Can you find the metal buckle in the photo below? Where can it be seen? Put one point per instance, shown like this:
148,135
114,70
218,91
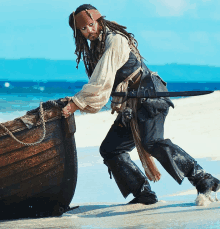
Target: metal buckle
143,100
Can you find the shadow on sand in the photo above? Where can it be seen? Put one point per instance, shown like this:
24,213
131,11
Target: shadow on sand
92,211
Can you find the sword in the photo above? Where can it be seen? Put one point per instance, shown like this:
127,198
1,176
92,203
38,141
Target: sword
145,94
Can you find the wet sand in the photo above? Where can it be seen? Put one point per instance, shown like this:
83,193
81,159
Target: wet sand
163,214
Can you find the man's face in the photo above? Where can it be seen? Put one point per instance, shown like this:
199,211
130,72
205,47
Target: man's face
91,31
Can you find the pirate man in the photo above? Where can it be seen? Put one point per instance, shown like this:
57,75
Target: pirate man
113,64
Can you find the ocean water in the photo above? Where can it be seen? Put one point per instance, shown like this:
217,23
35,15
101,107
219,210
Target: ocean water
17,97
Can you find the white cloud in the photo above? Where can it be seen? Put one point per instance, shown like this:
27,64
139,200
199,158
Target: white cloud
198,9
172,7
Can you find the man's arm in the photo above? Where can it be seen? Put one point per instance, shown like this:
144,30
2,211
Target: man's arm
95,94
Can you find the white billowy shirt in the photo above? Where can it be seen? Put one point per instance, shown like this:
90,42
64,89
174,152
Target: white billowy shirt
96,93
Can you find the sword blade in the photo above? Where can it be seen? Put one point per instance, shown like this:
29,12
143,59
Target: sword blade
133,94
182,93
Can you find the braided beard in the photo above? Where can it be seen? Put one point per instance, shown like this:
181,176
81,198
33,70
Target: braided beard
95,53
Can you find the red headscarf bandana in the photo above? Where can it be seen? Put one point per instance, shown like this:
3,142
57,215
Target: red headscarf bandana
86,17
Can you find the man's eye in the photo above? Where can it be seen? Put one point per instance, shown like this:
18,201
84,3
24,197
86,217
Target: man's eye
91,24
83,28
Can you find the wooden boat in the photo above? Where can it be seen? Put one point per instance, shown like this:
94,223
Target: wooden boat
37,180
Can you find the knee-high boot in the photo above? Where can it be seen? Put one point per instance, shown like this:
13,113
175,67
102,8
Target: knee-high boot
175,160
130,179
179,164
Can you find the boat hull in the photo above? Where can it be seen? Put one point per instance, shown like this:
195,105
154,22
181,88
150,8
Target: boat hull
40,179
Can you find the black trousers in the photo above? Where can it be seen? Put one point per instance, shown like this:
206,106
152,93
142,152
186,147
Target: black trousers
151,117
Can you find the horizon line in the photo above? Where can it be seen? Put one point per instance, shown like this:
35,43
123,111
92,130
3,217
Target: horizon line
42,58
74,81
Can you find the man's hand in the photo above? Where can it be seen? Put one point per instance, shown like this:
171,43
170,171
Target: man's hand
69,109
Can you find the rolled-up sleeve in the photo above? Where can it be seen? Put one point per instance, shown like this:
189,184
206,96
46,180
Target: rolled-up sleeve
95,94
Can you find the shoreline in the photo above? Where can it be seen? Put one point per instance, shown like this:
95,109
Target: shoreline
172,214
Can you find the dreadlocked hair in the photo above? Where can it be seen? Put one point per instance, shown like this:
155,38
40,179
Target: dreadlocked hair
91,54
116,28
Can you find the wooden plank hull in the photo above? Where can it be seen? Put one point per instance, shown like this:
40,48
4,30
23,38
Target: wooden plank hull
40,178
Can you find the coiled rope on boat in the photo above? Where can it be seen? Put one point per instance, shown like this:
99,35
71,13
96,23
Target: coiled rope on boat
52,103
34,143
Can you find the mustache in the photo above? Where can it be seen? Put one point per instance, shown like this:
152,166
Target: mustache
92,34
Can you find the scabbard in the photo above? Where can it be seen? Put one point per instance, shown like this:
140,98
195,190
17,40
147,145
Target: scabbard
145,94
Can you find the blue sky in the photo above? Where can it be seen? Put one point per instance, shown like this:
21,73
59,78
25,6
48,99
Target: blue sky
168,31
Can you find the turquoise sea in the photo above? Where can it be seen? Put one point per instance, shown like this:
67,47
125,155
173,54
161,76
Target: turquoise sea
20,96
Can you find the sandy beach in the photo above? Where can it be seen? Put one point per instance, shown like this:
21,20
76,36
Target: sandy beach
194,125
115,216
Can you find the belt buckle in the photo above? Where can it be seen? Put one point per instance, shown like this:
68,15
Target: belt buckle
143,100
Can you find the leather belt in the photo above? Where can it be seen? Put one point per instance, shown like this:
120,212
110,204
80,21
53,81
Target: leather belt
135,82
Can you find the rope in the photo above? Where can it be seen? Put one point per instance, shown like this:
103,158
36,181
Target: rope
147,160
47,105
44,129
